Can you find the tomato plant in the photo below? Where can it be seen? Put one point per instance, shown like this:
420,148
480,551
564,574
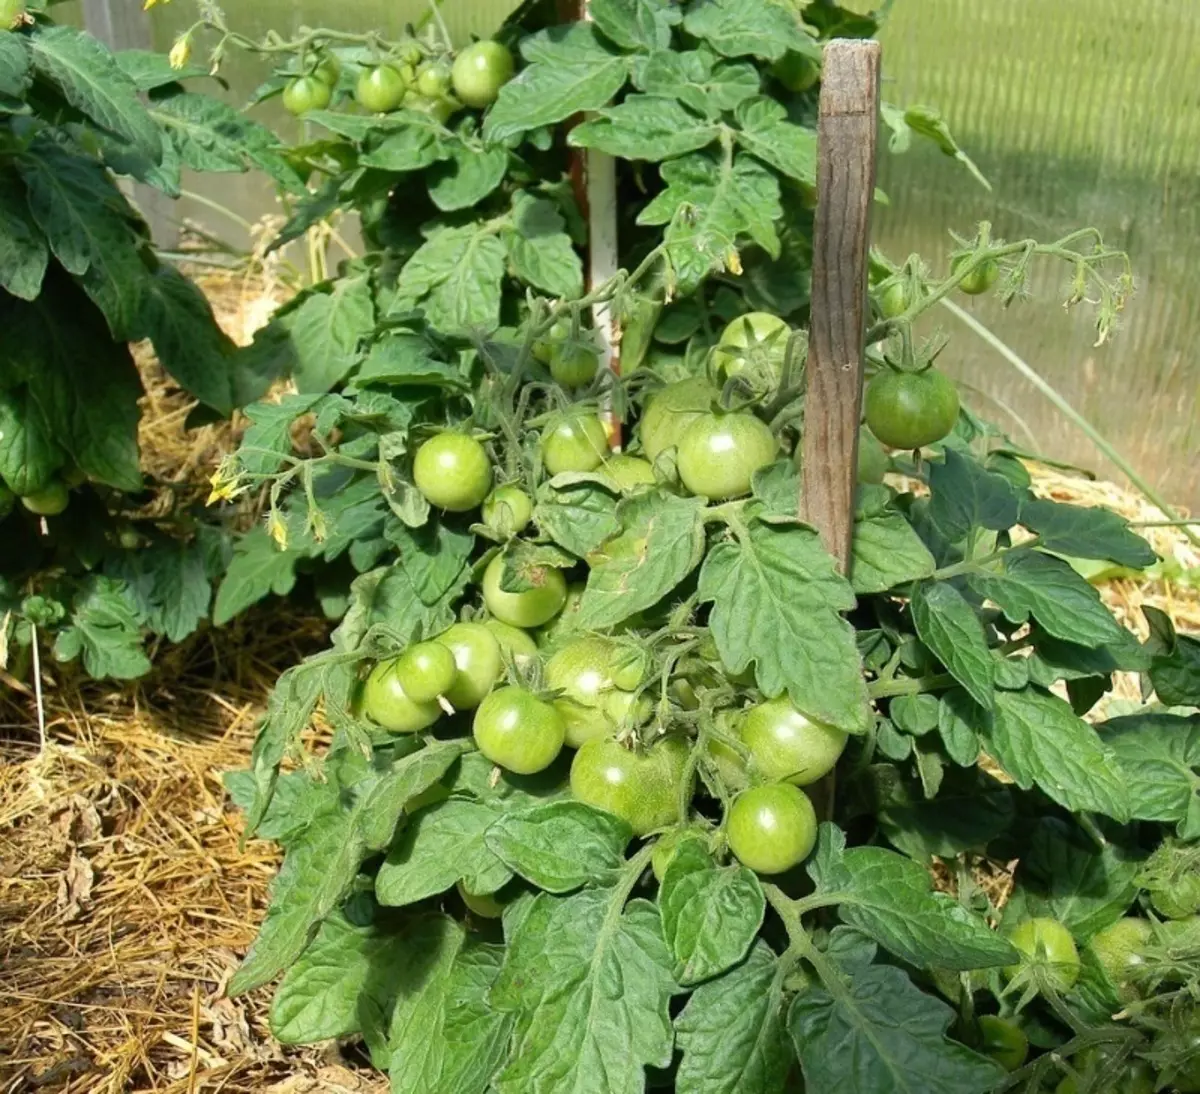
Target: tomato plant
648,641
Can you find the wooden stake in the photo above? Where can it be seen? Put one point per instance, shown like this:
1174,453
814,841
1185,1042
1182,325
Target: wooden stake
846,137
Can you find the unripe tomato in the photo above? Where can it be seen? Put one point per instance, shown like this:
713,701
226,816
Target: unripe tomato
452,472
1120,948
564,622
1178,898
573,363
669,412
980,279
730,767
518,731
911,409
530,607
328,69
628,474
757,341
642,788
507,510
574,442
477,659
894,299
719,453
872,459
51,500
591,704
480,71
1046,943
385,702
380,89
1099,1073
787,746
485,905
426,671
433,80
1004,1041
518,644
771,828
795,71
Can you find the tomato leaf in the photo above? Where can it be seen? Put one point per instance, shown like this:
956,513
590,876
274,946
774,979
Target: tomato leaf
1038,740
1174,667
415,141
890,898
560,845
1032,584
579,518
777,602
636,24
441,844
661,542
539,248
733,1031
1086,533
433,557
1064,875
455,277
767,134
948,625
386,601
877,1031
23,252
258,569
1158,756
958,715
328,331
739,28
467,176
886,552
15,66
575,1029
106,629
698,83
966,497
710,914
644,127
169,581
971,809
29,455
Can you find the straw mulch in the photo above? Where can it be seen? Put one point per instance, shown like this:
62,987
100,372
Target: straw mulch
126,899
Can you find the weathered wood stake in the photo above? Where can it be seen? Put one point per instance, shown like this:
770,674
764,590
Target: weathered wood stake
846,138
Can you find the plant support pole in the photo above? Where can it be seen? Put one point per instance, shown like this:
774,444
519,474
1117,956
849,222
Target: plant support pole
846,137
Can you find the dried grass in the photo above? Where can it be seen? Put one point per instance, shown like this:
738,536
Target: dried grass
126,899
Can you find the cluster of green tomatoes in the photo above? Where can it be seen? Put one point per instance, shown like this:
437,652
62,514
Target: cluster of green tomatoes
437,86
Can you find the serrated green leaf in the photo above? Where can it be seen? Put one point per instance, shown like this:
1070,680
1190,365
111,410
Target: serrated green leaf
1031,584
548,262
89,78
441,844
777,602
1037,739
948,625
914,714
268,438
433,557
29,454
467,176
15,72
739,28
169,581
1064,875
733,1031
767,134
401,359
1158,756
579,518
560,845
23,253
967,497
150,70
644,127
328,331
710,914
971,809
891,898
661,542
105,629
880,1032
258,569
711,206
929,124
885,553
958,717
693,79
386,599
412,146
636,24
455,276
591,989
1086,533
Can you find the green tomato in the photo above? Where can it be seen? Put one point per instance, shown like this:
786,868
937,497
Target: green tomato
572,361
518,731
530,607
911,409
426,671
452,472
507,510
518,644
483,905
1120,948
719,453
1047,944
51,500
980,279
328,69
480,71
787,746
477,658
669,412
629,474
894,299
1004,1041
564,622
592,704
386,703
574,442
873,461
381,89
642,788
1179,898
754,342
772,828
795,71
730,767
433,80
1100,1074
